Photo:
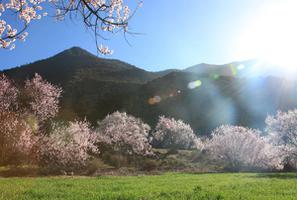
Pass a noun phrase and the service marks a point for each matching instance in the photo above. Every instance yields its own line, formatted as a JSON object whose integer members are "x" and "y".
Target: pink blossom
{"x": 171, "y": 133}
{"x": 239, "y": 148}
{"x": 125, "y": 133}
{"x": 67, "y": 147}
{"x": 20, "y": 116}
{"x": 44, "y": 97}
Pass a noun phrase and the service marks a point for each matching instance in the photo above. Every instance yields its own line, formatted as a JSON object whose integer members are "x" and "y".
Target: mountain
{"x": 239, "y": 69}
{"x": 167, "y": 71}
{"x": 77, "y": 63}
{"x": 243, "y": 69}
{"x": 205, "y": 96}
{"x": 225, "y": 100}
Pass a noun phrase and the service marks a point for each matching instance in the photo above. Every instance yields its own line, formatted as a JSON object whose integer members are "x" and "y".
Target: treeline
{"x": 30, "y": 134}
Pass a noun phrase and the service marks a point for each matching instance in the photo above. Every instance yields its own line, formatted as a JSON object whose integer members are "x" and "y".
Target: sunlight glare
{"x": 272, "y": 36}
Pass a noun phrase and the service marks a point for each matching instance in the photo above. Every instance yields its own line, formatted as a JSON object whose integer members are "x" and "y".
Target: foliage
{"x": 175, "y": 134}
{"x": 240, "y": 148}
{"x": 125, "y": 133}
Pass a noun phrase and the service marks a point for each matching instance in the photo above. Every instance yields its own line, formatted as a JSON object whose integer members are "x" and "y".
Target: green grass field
{"x": 168, "y": 186}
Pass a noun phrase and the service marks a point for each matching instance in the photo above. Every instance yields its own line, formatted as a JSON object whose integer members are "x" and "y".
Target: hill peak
{"x": 75, "y": 51}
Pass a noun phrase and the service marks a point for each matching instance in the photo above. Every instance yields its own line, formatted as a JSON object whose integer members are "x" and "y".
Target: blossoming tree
{"x": 22, "y": 110}
{"x": 282, "y": 132}
{"x": 125, "y": 133}
{"x": 10, "y": 142}
{"x": 175, "y": 134}
{"x": 67, "y": 147}
{"x": 43, "y": 97}
{"x": 101, "y": 16}
{"x": 239, "y": 148}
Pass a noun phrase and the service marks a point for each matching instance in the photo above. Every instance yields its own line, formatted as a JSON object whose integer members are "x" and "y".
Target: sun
{"x": 271, "y": 36}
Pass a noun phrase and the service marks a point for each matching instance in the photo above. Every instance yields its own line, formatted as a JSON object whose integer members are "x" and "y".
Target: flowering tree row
{"x": 26, "y": 111}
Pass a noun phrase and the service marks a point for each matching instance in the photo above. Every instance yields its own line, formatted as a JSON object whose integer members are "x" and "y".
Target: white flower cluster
{"x": 105, "y": 50}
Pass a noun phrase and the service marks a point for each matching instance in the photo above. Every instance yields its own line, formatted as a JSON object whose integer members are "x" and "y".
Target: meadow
{"x": 181, "y": 186}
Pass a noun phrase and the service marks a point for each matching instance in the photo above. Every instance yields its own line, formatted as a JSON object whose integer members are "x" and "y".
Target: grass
{"x": 169, "y": 186}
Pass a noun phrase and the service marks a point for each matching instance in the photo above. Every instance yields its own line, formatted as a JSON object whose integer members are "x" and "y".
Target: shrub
{"x": 149, "y": 165}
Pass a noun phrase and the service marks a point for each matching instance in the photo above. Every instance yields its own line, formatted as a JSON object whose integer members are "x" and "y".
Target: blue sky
{"x": 175, "y": 34}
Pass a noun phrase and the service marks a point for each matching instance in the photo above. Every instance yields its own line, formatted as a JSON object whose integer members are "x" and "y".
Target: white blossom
{"x": 240, "y": 148}
{"x": 125, "y": 133}
{"x": 171, "y": 133}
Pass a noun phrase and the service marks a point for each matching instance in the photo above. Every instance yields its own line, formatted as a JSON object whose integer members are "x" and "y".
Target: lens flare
{"x": 233, "y": 70}
{"x": 194, "y": 84}
{"x": 154, "y": 100}
{"x": 240, "y": 67}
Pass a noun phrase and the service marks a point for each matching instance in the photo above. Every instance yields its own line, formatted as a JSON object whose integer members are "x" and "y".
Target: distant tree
{"x": 22, "y": 110}
{"x": 239, "y": 148}
{"x": 125, "y": 133}
{"x": 282, "y": 131}
{"x": 100, "y": 16}
{"x": 174, "y": 134}
{"x": 67, "y": 147}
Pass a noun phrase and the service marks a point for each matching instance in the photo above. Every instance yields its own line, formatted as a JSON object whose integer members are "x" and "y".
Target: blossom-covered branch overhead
{"x": 100, "y": 16}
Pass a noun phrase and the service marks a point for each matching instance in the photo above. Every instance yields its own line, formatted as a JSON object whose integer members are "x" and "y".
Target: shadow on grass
{"x": 18, "y": 172}
{"x": 277, "y": 175}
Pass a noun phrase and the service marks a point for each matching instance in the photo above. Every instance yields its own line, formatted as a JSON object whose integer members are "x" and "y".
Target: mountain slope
{"x": 223, "y": 94}
{"x": 225, "y": 100}
{"x": 76, "y": 63}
